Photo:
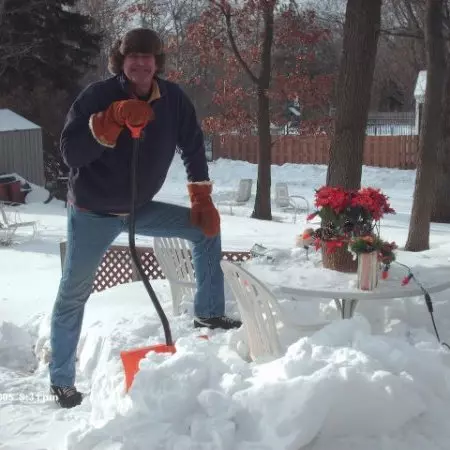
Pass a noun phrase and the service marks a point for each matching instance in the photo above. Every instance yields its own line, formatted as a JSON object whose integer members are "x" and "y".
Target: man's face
{"x": 140, "y": 67}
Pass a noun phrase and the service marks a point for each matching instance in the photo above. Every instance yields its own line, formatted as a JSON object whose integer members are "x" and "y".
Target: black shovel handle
{"x": 136, "y": 132}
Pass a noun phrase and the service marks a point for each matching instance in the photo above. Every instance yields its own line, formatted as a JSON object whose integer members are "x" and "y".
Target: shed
{"x": 419, "y": 96}
{"x": 21, "y": 147}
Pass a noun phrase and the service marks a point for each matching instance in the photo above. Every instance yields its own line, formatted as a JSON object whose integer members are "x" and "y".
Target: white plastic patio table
{"x": 347, "y": 299}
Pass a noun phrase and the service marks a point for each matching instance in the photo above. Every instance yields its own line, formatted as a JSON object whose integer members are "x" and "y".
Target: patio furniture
{"x": 345, "y": 296}
{"x": 11, "y": 222}
{"x": 287, "y": 202}
{"x": 261, "y": 315}
{"x": 174, "y": 258}
{"x": 237, "y": 198}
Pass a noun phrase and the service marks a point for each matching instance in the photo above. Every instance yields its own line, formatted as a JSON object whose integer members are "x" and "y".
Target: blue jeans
{"x": 88, "y": 237}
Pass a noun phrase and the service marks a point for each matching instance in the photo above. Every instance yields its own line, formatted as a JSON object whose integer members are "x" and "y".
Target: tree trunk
{"x": 440, "y": 206}
{"x": 361, "y": 33}
{"x": 419, "y": 227}
{"x": 2, "y": 8}
{"x": 262, "y": 208}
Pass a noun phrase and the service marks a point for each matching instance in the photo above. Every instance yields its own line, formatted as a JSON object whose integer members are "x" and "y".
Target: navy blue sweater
{"x": 99, "y": 177}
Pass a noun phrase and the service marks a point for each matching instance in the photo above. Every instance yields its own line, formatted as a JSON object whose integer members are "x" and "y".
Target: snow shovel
{"x": 131, "y": 358}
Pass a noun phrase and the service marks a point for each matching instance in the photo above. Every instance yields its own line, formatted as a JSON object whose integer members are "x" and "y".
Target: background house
{"x": 21, "y": 149}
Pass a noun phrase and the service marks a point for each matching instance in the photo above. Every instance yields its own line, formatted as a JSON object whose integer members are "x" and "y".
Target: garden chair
{"x": 261, "y": 315}
{"x": 9, "y": 224}
{"x": 239, "y": 197}
{"x": 174, "y": 258}
{"x": 287, "y": 202}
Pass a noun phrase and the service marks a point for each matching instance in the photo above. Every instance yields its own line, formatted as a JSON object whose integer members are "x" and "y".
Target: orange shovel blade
{"x": 131, "y": 358}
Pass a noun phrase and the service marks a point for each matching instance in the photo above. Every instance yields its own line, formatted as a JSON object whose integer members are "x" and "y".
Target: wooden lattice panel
{"x": 150, "y": 264}
{"x": 236, "y": 256}
{"x": 117, "y": 266}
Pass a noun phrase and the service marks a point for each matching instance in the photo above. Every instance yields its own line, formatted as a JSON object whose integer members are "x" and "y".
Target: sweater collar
{"x": 158, "y": 91}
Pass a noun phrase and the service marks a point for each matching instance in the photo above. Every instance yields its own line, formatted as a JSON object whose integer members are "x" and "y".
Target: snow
{"x": 421, "y": 86}
{"x": 11, "y": 121}
{"x": 350, "y": 385}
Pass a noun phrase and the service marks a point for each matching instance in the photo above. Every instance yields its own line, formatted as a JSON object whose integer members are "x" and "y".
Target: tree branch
{"x": 411, "y": 14}
{"x": 403, "y": 33}
{"x": 227, "y": 14}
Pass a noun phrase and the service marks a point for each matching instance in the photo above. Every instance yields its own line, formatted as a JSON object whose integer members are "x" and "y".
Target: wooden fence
{"x": 380, "y": 151}
{"x": 117, "y": 267}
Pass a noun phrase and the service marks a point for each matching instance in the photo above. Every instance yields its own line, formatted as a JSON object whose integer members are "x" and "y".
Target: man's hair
{"x": 138, "y": 40}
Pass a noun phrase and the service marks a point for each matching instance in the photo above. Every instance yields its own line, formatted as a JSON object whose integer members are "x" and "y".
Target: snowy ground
{"x": 344, "y": 387}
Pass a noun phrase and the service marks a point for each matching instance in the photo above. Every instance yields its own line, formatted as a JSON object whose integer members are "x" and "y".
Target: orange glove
{"x": 107, "y": 125}
{"x": 203, "y": 212}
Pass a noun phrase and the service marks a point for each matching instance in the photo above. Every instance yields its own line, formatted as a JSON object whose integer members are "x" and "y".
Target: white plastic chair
{"x": 287, "y": 202}
{"x": 262, "y": 317}
{"x": 239, "y": 197}
{"x": 174, "y": 258}
{"x": 259, "y": 312}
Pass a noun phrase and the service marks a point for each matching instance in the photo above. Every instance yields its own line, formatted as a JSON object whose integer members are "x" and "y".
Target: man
{"x": 97, "y": 146}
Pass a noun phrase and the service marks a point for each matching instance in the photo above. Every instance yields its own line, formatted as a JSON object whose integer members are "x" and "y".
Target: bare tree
{"x": 111, "y": 19}
{"x": 409, "y": 22}
{"x": 406, "y": 18}
{"x": 419, "y": 228}
{"x": 181, "y": 13}
{"x": 361, "y": 33}
{"x": 440, "y": 205}
{"x": 2, "y": 8}
{"x": 398, "y": 58}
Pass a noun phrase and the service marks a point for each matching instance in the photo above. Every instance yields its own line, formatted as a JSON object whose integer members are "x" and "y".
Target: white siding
{"x": 21, "y": 152}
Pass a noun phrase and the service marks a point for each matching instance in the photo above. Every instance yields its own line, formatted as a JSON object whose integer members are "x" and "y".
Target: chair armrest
{"x": 303, "y": 198}
{"x": 182, "y": 283}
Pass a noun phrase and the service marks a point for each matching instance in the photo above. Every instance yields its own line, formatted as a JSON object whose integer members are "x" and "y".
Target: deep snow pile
{"x": 342, "y": 386}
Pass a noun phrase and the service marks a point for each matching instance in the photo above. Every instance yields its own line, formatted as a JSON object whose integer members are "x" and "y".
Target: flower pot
{"x": 339, "y": 259}
{"x": 368, "y": 271}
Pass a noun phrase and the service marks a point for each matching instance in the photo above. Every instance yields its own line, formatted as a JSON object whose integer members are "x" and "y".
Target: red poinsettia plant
{"x": 346, "y": 214}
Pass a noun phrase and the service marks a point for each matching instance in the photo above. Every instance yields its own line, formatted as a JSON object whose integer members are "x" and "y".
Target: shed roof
{"x": 421, "y": 86}
{"x": 10, "y": 121}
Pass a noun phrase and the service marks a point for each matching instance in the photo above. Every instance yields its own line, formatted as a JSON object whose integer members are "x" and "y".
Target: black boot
{"x": 223, "y": 322}
{"x": 66, "y": 396}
